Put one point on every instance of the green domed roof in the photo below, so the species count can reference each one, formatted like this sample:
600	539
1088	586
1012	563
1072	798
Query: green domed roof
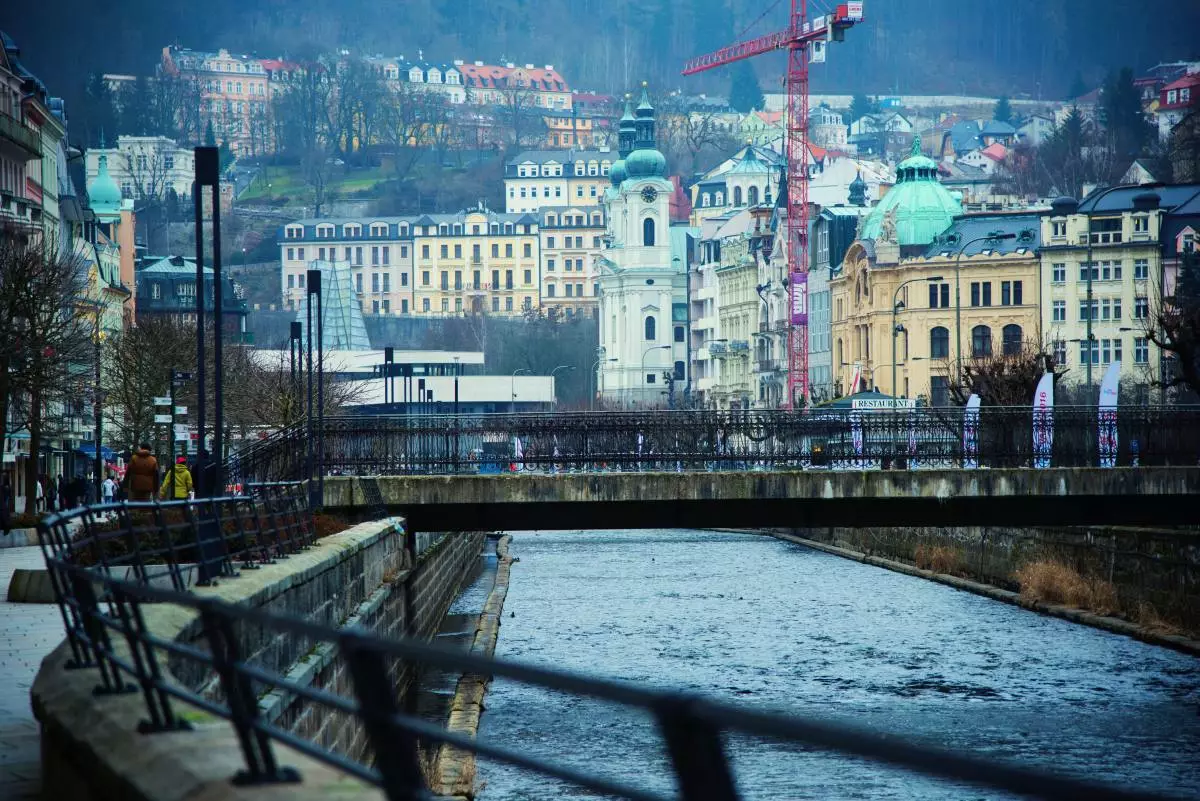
617	173
646	163
923	207
104	195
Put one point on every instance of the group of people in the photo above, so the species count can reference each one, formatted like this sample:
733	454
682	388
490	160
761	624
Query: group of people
143	479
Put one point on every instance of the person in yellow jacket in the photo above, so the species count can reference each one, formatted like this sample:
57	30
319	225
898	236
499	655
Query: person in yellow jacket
177	485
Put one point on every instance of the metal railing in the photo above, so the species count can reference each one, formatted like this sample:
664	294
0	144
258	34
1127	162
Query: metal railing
103	613
698	440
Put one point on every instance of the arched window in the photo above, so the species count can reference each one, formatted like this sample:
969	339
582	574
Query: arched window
981	341
1010	338
939	343
648	232
706	200
720	201
650	329
752	196
737	196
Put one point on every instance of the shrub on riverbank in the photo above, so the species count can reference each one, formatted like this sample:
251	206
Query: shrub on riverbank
939	559
1051	581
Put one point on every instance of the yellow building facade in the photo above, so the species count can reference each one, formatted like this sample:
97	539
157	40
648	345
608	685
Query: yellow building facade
738	312
940	307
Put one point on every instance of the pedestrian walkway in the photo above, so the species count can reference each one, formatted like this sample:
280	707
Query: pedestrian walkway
28	632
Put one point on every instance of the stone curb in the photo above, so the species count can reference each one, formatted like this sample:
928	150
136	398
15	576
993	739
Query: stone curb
31	586
19	538
1111	624
455	774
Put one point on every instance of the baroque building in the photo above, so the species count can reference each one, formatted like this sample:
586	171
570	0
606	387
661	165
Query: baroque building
643	275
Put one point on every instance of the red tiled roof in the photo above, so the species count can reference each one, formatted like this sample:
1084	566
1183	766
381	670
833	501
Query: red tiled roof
490	76
995	151
1186	81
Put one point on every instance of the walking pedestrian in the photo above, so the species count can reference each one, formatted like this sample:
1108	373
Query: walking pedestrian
141	479
177	486
40	501
62	493
6	503
108	489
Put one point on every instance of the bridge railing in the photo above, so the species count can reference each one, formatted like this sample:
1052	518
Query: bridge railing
705	441
104	608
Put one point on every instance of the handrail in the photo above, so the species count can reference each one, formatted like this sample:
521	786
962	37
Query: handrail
99	607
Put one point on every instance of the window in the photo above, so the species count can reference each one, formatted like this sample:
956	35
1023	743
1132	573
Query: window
549	241
1106	351
404	306
1058	273
1059	311
508	251
508	279
981	293
387	282
528	250
648	232
549	265
375	307
458	251
737	196
374	282
752	196
1141	308
1089	354
1005	293
528	277
495	251
1141	269
1116	270
445	304
291	254
1083	310
678	333
570	290
458	279
445	280
300	280
981	341
1084	272
425	278
939	391
508	304
156	289
939	343
651	378
939	296
1141	224
1060	351
445	251
495	279
424	251
650	329
1141	350
358	283
1011	339
1116	309
403	279
300	254
291	282
679	371
550	290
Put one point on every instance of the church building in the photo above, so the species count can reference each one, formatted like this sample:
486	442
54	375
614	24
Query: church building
642	276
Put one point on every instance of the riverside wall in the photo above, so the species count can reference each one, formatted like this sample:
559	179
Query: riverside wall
370	576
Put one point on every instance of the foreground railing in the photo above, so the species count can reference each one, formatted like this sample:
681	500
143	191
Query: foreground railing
703	441
104	617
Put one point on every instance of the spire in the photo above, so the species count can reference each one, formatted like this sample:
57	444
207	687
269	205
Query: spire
916	146
858	190
645	109
645	121
627	133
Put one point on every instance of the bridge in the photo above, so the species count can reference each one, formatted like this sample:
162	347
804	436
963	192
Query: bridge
702	468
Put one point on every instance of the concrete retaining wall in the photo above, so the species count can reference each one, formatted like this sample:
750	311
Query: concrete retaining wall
364	576
1157	567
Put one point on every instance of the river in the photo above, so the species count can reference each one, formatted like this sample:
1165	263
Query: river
775	625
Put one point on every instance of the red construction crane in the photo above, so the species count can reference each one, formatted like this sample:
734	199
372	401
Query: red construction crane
805	42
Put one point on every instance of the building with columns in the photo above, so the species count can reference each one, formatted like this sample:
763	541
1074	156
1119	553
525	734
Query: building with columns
642	276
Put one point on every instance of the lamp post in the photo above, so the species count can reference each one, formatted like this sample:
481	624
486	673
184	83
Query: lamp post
990	237
313	287
296	333
512	404
568	368
596	379
897	304
646	353
457	372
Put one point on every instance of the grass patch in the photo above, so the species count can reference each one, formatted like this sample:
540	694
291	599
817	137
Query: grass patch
1053	582
939	559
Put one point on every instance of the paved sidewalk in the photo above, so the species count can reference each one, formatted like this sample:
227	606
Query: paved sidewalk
28	632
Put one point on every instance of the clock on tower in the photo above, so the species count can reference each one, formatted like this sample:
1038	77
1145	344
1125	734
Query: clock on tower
649	194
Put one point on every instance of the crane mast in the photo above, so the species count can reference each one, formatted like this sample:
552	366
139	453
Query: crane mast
805	42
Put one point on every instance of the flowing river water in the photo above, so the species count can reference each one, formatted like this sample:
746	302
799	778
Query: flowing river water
775	625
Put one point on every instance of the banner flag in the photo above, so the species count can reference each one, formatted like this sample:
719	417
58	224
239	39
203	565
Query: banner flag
1107	424
1043	421
970	442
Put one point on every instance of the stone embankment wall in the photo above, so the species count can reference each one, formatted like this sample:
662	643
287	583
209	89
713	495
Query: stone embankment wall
367	576
1160	568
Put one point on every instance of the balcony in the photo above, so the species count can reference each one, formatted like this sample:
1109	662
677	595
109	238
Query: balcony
739	346
26	141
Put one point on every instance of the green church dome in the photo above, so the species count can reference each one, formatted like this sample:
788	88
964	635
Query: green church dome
104	195
617	173
646	163
923	207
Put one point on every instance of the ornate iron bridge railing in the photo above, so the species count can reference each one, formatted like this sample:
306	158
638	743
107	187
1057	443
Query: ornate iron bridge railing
705	441
107	564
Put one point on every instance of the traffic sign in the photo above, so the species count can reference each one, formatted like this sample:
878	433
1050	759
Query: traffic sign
162	418
181	427
180	410
162	401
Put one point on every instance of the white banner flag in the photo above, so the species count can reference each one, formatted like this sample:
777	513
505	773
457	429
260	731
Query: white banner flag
856	437
970	442
1043	421
1109	389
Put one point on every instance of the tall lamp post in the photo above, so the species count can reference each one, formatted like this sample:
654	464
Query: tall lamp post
568	368
897	305
646	353
990	237
314	290
296	334
512	404
595	378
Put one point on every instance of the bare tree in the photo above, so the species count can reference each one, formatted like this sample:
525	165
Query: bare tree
410	121
265	396
697	137
47	326
1003	379
518	115
136	365
318	170
302	110
1174	326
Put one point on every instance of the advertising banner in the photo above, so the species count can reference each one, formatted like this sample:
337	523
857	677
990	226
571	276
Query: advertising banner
1043	421
1107	424
799	298
970	443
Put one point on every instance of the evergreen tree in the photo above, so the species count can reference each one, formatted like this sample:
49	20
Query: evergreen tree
99	112
210	138
137	107
1078	87
861	106
1003	112
1122	114
744	92
225	155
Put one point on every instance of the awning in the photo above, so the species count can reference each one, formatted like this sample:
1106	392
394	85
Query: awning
90	452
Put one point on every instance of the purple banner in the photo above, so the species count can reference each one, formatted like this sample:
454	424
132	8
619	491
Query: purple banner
799	298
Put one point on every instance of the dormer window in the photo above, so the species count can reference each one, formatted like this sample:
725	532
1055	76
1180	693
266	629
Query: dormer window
1172	97
352	230
294	232
452	77
444	229
579	168
379	229
415	76
435	76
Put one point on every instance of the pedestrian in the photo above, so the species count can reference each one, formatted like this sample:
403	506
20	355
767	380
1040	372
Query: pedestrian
6	503
62	493
204	475
141	478
79	488
40	501
108	489
177	486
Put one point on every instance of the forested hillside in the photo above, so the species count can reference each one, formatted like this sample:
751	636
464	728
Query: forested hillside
910	46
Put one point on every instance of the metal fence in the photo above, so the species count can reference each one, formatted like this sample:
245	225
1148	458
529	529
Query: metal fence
705	441
103	612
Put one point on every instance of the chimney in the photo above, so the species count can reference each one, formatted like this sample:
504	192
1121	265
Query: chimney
458	62
510	65
528	66
549	68
478	63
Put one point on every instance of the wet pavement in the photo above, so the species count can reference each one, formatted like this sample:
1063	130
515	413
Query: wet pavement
775	625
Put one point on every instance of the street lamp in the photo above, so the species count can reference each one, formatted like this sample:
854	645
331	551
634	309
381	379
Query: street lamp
993	236
313	287
646	353
567	367
595	380
512	406
897	305
457	372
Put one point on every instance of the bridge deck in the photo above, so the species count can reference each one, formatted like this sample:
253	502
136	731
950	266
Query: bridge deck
1011	497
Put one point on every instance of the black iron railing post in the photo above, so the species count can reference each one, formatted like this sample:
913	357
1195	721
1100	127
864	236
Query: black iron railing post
696	752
